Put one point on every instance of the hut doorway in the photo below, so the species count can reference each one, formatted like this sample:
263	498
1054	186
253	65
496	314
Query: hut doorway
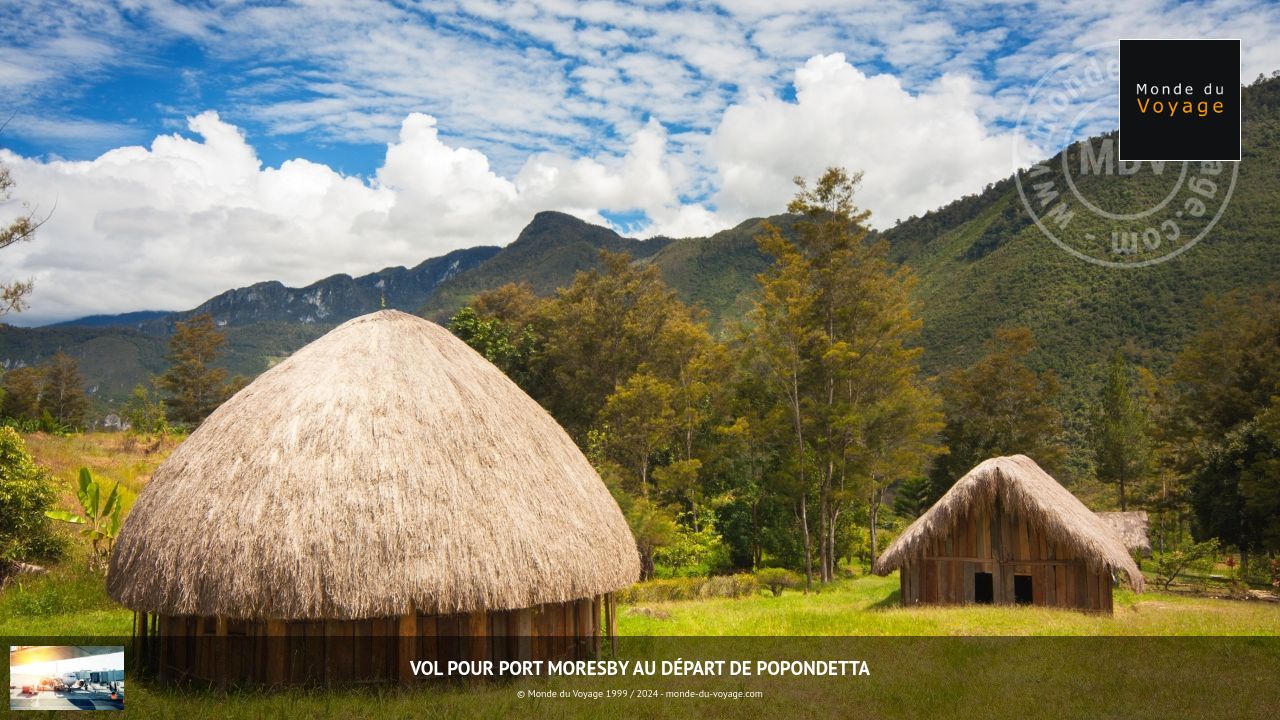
983	588
1022	592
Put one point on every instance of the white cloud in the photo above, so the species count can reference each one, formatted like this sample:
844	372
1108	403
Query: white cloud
917	151
170	225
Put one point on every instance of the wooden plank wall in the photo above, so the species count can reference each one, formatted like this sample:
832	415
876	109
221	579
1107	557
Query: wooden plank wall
222	651
1004	545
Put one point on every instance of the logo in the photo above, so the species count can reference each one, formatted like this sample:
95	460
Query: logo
1091	203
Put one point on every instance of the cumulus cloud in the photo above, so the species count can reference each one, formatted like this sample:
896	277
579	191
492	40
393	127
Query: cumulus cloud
918	151
169	225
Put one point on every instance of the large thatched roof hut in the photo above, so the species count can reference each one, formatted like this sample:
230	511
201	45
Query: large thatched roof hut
1007	532
385	481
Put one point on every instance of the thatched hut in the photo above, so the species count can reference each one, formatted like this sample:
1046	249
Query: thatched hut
1132	527
1007	532
383	495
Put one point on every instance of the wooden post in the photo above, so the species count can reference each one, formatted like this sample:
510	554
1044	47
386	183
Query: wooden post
408	644
220	647
595	627
613	625
277	652
521	627
478	635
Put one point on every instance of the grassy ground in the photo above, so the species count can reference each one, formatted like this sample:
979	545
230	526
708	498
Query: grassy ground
868	606
111	457
1155	677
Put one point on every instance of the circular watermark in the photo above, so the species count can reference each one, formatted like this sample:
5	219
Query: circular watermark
1089	202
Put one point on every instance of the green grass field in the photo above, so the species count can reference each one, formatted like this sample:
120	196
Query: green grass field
938	659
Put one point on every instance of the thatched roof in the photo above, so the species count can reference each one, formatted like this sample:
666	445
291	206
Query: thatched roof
386	465
1021	485
1131	527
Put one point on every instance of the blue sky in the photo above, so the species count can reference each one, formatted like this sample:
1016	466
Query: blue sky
192	147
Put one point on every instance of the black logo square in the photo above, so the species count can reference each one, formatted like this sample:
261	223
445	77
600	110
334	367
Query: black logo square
1179	100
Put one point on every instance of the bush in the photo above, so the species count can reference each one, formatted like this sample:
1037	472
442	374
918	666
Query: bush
26	491
689	588
1197	556
777	579
690	553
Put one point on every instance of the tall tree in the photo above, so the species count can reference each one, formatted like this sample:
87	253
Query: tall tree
63	392
1224	387
194	386
833	329
1122	446
639	421
999	406
598	332
22	388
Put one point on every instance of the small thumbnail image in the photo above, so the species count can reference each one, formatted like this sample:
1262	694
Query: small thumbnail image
66	677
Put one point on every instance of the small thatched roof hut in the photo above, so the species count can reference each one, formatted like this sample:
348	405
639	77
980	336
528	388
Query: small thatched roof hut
1132	527
1008	532
385	471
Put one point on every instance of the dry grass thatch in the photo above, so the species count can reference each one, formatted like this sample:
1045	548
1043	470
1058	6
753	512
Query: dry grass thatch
1022	487
385	466
1132	527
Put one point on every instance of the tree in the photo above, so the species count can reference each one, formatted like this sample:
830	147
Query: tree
194	387
598	332
998	406
26	491
1122	447
639	422
144	412
22	388
63	393
832	334
13	294
499	324
1223	420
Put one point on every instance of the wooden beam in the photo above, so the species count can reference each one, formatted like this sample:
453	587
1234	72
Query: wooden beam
408	644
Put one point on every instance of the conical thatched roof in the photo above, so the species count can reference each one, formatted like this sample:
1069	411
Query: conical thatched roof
1022	487
385	465
1131	526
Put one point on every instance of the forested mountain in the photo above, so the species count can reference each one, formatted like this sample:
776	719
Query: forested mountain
980	263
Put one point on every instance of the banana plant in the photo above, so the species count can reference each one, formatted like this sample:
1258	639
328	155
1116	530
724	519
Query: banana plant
101	519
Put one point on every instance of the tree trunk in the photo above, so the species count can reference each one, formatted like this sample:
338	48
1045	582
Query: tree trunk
808	544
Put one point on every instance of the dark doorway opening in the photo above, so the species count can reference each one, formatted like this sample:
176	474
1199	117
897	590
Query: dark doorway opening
983	589
1022	589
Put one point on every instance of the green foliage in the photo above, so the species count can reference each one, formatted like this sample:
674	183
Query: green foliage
26	492
1225	420
691	552
913	497
144	413
1197	556
778	579
22	386
100	518
62	396
999	406
194	386
831	340
1122	446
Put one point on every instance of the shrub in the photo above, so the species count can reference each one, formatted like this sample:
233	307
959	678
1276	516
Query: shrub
777	579
26	491
1200	556
689	588
692	553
